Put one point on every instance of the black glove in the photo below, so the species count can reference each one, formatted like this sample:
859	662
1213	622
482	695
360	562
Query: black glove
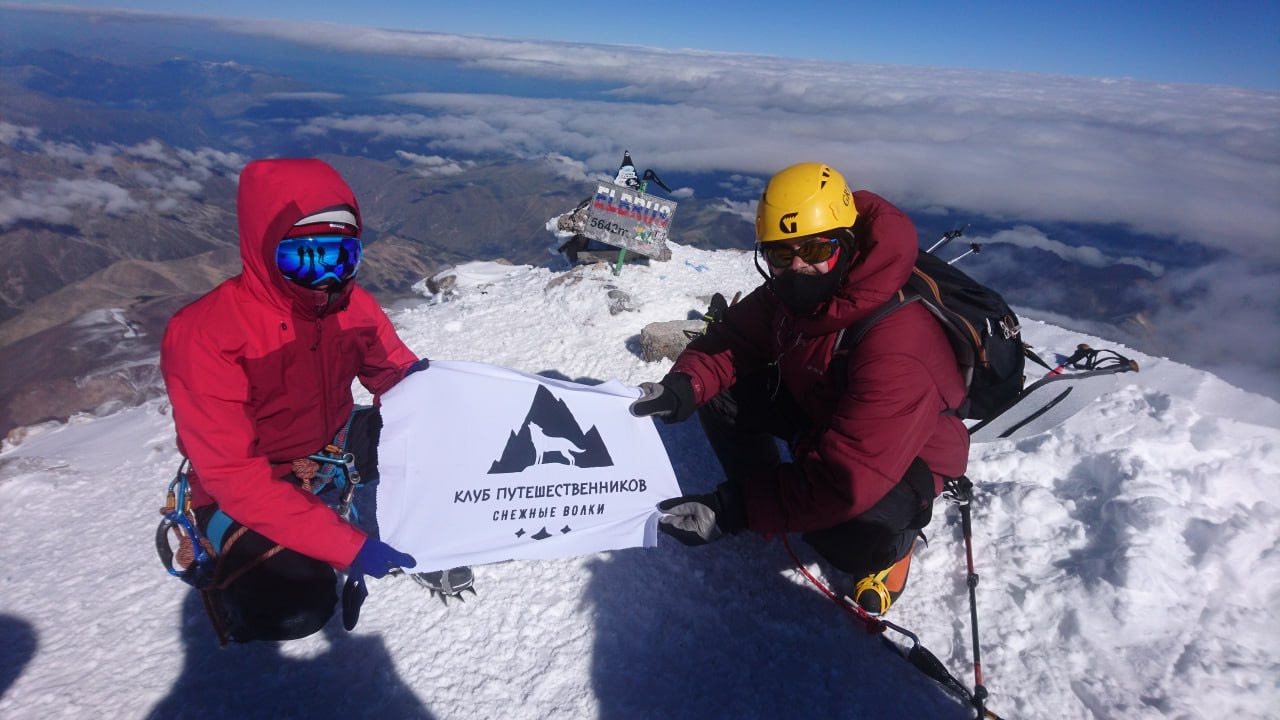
672	399
700	519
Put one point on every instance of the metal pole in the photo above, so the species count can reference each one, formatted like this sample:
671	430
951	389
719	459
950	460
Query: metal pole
947	237
974	248
966	524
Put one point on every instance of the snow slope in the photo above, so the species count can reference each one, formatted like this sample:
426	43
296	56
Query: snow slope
1128	565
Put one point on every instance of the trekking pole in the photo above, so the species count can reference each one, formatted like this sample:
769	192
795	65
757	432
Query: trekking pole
964	496
947	237
1082	351
974	248
917	655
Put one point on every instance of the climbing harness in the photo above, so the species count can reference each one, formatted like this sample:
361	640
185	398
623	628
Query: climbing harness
193	562
196	559
335	467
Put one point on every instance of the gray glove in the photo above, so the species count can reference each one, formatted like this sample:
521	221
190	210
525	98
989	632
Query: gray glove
672	399
701	519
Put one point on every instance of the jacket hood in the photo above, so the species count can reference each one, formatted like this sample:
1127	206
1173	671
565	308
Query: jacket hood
273	196
889	253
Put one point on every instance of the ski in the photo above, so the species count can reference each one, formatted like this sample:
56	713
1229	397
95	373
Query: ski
1051	400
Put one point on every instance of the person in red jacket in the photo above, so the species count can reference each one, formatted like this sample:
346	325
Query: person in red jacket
868	429
259	374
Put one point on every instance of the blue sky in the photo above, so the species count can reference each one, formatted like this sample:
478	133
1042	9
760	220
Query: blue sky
1230	42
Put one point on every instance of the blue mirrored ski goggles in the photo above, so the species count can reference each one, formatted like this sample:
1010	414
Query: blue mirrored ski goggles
309	261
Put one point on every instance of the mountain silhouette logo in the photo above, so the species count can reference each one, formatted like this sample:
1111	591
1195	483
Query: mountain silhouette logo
551	434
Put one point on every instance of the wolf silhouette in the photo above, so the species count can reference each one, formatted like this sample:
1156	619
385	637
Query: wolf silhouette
543	444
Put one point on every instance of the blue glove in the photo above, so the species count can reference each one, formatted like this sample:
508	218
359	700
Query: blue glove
353	594
375	558
422	364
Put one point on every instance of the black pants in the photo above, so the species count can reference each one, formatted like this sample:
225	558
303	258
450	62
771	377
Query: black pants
742	423
287	595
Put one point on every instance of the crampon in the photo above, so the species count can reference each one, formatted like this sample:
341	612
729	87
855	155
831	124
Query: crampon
448	584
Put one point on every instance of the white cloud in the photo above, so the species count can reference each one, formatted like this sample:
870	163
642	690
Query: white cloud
743	184
62	200
1192	185
568	168
152	150
1201	163
307	95
97	155
13	135
434	165
1224	315
1029	237
206	162
169	174
744	210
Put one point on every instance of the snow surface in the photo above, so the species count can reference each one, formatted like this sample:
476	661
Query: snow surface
1127	559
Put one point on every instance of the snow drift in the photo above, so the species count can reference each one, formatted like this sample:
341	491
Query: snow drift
1127	560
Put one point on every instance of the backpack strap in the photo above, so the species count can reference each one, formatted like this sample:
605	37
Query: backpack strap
965	357
849	337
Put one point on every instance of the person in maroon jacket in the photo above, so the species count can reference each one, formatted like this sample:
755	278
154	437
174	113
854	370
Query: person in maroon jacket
868	429
259	373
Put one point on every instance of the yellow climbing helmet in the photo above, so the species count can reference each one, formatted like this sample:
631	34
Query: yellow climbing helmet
804	199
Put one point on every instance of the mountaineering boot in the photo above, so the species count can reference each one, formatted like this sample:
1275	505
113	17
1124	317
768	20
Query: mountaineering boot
876	592
448	584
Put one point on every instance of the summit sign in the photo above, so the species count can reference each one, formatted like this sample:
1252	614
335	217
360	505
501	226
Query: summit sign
627	218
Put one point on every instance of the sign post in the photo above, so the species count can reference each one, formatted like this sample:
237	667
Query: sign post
630	220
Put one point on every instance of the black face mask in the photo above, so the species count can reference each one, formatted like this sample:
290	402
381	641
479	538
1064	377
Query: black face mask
802	294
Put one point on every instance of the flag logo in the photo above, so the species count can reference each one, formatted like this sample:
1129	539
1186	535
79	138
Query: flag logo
550	434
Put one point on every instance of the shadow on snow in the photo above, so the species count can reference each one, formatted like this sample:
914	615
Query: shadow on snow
353	677
722	631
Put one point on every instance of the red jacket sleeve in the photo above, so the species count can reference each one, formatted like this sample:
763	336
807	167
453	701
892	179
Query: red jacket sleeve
387	359
733	347
209	392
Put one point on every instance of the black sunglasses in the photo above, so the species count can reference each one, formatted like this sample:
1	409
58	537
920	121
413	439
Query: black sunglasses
814	251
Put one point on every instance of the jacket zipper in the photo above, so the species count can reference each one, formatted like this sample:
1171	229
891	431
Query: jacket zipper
318	358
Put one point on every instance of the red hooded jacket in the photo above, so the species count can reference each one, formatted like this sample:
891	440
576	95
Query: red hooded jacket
901	378
259	370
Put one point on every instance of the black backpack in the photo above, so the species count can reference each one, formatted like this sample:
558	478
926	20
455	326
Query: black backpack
983	330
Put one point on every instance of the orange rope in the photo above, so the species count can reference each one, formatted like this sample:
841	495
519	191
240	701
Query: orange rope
226	547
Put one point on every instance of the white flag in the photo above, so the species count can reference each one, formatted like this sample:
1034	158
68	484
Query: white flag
481	464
